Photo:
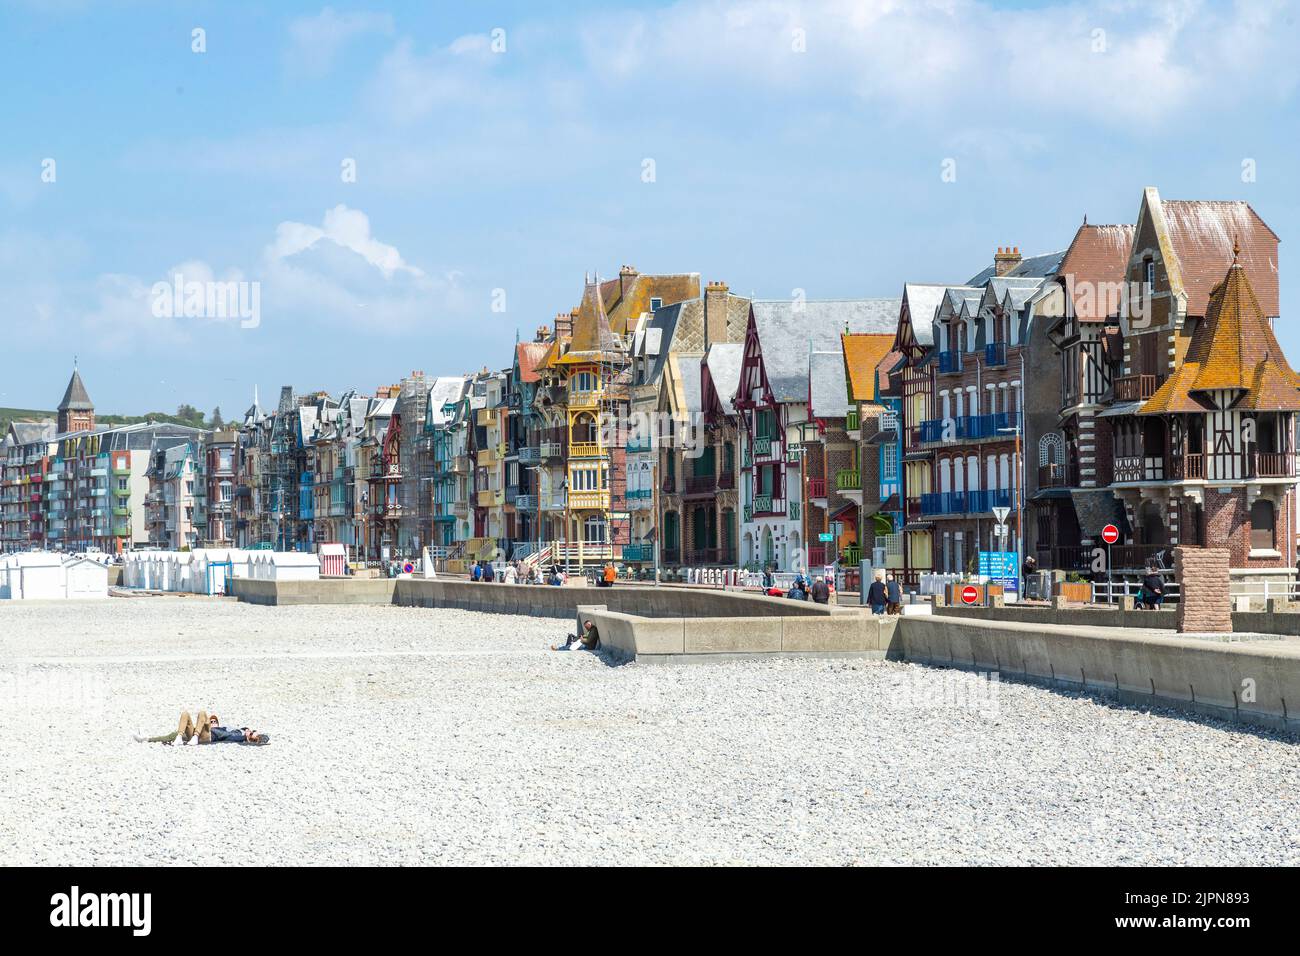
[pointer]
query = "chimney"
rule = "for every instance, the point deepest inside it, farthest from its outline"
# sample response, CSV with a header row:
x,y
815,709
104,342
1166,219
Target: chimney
x,y
564,323
1006,259
542,334
625,277
715,313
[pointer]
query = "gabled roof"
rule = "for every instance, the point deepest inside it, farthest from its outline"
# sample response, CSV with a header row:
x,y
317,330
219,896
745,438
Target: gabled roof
x,y
528,355
445,390
921,300
1201,235
863,353
723,362
828,395
1233,348
1097,259
75,397
29,433
789,331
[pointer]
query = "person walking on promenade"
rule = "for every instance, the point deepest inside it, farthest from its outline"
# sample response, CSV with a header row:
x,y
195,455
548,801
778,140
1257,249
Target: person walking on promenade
x,y
1152,595
475,572
821,592
511,576
488,573
877,596
893,595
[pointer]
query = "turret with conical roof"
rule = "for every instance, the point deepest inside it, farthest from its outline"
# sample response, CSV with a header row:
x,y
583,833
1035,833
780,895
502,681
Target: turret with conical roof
x,y
76,411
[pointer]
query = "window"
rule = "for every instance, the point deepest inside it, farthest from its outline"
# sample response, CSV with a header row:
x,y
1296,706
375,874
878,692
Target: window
x,y
593,530
655,303
889,463
1261,525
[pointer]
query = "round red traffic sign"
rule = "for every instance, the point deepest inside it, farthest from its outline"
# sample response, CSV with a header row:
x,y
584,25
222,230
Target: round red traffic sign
x,y
1110,534
970,594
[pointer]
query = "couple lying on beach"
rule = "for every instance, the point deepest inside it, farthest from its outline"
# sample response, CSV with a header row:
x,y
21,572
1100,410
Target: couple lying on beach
x,y
208,730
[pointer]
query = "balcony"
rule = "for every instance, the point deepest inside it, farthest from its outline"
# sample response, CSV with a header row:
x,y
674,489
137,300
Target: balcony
x,y
1137,388
555,502
987,500
122,512
727,480
486,457
966,428
585,449
1057,475
585,398
852,555
1065,558
852,423
995,354
530,455
1138,468
489,498
848,480
526,502
485,416
669,485
816,487
638,552
551,449
701,485
762,446
949,362
1269,465
763,505
588,499
794,510
640,443
943,503
460,464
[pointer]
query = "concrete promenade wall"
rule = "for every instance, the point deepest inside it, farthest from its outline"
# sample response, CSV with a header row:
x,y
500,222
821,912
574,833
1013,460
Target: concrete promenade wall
x,y
1257,622
325,591
1211,677
694,639
546,601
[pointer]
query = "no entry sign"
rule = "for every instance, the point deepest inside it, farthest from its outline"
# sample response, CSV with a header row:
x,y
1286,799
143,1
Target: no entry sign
x,y
1110,534
970,594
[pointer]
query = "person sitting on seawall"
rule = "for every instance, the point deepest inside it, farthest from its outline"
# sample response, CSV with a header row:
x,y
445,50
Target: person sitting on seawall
x,y
1152,594
589,639
797,592
877,595
608,576
208,730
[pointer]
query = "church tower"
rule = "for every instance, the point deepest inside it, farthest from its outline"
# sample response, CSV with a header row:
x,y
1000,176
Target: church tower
x,y
76,411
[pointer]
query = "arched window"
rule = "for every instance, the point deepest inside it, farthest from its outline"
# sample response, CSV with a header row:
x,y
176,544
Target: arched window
x,y
1051,449
584,429
1262,521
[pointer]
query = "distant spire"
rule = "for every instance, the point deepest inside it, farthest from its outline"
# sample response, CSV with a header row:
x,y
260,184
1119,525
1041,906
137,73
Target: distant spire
x,y
1236,250
1085,219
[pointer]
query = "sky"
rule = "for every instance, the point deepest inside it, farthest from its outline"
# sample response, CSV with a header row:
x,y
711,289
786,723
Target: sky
x,y
411,186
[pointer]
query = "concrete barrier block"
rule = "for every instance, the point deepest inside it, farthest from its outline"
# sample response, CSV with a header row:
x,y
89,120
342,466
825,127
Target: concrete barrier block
x,y
809,634
732,635
659,635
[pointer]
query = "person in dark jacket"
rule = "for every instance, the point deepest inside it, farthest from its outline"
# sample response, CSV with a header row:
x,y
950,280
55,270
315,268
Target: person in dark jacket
x,y
475,571
796,592
877,596
1152,594
768,579
821,592
893,595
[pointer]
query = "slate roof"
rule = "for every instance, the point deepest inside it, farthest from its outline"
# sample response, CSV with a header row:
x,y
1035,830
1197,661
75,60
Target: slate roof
x,y
827,391
723,361
444,390
788,336
1233,348
29,433
75,397
689,367
1033,267
922,299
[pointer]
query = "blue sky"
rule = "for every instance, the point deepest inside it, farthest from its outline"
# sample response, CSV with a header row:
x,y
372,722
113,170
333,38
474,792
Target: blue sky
x,y
782,160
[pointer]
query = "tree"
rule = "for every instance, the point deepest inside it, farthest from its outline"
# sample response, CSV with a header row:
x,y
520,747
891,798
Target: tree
x,y
216,418
188,413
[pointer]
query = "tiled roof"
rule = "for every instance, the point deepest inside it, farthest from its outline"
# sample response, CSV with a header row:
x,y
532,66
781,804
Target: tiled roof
x,y
1202,234
529,355
1232,348
1097,256
1034,267
863,353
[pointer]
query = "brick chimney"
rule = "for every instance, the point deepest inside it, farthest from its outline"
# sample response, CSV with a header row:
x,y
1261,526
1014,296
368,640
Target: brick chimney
x,y
564,323
625,277
542,334
715,313
1006,259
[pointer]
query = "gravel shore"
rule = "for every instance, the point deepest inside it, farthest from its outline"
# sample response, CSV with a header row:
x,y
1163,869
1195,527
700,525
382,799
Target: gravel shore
x,y
406,735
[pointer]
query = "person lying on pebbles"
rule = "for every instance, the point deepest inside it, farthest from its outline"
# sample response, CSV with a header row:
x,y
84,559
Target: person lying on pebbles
x,y
207,730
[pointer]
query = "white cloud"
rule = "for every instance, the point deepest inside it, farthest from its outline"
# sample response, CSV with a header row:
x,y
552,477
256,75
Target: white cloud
x,y
941,59
409,86
315,42
348,228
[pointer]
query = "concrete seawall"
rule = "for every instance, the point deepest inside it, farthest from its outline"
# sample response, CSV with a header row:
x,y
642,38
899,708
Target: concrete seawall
x,y
1252,622
328,591
1257,683
687,640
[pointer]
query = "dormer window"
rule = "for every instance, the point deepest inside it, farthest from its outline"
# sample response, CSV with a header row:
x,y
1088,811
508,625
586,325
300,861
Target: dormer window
x,y
656,303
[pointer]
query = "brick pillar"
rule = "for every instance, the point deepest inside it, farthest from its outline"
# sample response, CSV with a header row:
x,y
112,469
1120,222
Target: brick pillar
x,y
1203,602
